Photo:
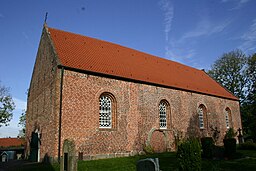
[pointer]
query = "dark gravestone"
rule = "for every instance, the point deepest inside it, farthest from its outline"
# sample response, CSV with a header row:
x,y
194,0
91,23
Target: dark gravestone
x,y
148,165
68,160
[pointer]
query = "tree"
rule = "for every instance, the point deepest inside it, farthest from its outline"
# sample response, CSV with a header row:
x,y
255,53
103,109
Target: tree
x,y
237,73
22,123
248,108
6,106
251,98
230,71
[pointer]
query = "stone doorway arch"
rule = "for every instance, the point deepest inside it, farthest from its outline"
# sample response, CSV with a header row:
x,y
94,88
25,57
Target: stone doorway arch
x,y
158,140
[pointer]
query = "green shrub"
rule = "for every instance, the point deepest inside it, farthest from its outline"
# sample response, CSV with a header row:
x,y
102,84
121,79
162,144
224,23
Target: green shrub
x,y
230,133
189,155
230,147
148,149
247,146
207,147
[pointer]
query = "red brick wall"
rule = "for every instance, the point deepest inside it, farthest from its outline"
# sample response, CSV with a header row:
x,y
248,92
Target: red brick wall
x,y
137,114
43,98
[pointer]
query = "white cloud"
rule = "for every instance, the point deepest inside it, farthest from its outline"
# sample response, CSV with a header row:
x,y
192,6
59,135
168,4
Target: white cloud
x,y
25,35
205,28
20,104
237,3
168,10
173,49
244,1
180,54
249,38
9,131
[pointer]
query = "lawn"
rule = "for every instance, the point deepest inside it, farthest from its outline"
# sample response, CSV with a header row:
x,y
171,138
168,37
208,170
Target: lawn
x,y
167,162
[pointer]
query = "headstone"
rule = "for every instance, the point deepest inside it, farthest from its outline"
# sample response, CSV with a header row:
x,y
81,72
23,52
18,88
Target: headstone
x,y
4,157
148,164
68,160
240,136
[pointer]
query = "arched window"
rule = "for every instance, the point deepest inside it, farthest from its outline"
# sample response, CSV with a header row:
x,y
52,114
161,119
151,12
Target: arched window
x,y
228,117
107,111
163,109
202,116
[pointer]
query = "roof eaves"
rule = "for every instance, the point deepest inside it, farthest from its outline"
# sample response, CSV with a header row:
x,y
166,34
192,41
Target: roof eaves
x,y
52,44
221,85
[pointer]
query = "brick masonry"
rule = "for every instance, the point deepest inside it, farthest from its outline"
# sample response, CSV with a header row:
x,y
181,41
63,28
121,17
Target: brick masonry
x,y
43,99
136,111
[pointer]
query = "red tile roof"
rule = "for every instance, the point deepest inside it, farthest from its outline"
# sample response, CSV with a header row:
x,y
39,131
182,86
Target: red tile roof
x,y
11,142
89,54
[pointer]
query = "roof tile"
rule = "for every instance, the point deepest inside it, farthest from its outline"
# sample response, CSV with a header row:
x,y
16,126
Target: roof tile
x,y
11,142
90,54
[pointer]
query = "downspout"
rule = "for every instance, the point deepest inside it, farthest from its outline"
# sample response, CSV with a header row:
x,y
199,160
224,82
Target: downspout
x,y
60,112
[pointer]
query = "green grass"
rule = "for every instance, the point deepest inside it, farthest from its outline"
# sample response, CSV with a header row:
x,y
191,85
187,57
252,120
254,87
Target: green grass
x,y
167,162
250,153
128,163
240,162
36,167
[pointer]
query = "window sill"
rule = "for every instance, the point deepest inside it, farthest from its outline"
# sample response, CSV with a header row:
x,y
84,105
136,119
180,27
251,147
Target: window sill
x,y
106,129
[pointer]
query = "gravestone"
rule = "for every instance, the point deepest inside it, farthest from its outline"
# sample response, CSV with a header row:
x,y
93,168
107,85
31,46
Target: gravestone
x,y
240,136
148,164
68,159
4,157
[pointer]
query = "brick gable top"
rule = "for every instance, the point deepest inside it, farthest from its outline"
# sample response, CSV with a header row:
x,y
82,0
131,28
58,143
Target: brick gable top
x,y
97,56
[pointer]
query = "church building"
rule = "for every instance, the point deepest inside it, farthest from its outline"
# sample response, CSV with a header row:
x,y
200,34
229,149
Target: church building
x,y
114,101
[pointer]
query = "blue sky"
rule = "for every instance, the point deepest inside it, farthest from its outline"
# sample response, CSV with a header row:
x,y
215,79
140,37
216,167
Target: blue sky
x,y
193,32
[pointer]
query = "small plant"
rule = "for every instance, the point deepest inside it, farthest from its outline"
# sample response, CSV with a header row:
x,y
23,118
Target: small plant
x,y
207,147
148,149
178,137
230,133
189,155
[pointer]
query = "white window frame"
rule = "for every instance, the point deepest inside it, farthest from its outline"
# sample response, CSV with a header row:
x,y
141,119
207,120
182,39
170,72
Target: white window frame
x,y
105,113
201,117
163,115
227,119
